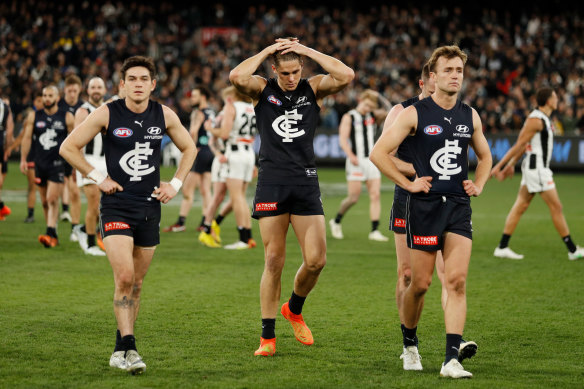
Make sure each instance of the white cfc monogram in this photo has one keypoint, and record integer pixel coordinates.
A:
(283, 125)
(441, 160)
(131, 162)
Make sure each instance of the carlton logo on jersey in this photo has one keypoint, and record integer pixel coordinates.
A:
(47, 139)
(123, 132)
(272, 99)
(131, 162)
(433, 129)
(441, 160)
(283, 125)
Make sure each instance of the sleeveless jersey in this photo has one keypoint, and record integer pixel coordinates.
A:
(202, 136)
(439, 147)
(95, 146)
(132, 152)
(286, 124)
(4, 112)
(363, 129)
(540, 147)
(403, 150)
(71, 108)
(244, 124)
(49, 131)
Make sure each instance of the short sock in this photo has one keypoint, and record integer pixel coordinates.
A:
(1, 204)
(90, 240)
(452, 346)
(374, 225)
(82, 228)
(504, 241)
(52, 232)
(268, 328)
(73, 225)
(409, 336)
(206, 228)
(219, 219)
(65, 207)
(30, 212)
(296, 303)
(128, 342)
(202, 221)
(569, 244)
(248, 232)
(241, 232)
(338, 218)
(181, 220)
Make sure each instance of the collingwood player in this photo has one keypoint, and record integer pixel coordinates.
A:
(287, 109)
(6, 131)
(357, 132)
(536, 140)
(44, 132)
(132, 130)
(438, 214)
(94, 154)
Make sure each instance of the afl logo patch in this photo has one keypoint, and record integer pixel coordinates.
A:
(462, 128)
(123, 132)
(272, 99)
(433, 129)
(154, 130)
(41, 124)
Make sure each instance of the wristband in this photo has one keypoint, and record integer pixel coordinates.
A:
(176, 184)
(96, 176)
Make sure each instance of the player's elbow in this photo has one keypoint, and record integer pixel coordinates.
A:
(235, 77)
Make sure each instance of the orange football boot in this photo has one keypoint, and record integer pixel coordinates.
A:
(267, 348)
(301, 330)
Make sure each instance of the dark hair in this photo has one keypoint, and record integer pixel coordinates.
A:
(278, 57)
(203, 90)
(72, 80)
(448, 52)
(542, 95)
(136, 61)
(425, 72)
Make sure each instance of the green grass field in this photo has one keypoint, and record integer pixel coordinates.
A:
(200, 319)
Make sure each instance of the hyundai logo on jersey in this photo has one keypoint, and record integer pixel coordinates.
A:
(123, 132)
(462, 128)
(433, 129)
(154, 130)
(272, 99)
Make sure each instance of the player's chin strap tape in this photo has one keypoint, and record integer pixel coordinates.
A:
(96, 176)
(176, 184)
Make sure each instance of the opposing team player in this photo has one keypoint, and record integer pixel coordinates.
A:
(132, 128)
(397, 223)
(357, 133)
(536, 140)
(287, 108)
(48, 128)
(439, 214)
(95, 155)
(200, 174)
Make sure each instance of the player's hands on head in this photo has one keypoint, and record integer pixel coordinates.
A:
(420, 184)
(471, 188)
(109, 186)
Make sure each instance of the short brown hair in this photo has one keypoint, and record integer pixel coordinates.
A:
(72, 80)
(136, 61)
(203, 90)
(278, 57)
(542, 95)
(446, 51)
(425, 72)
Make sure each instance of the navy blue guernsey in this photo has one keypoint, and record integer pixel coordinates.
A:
(202, 136)
(286, 123)
(403, 150)
(71, 108)
(439, 148)
(49, 131)
(132, 152)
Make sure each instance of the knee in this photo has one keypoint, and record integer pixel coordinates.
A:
(374, 196)
(353, 198)
(274, 263)
(137, 288)
(556, 208)
(125, 281)
(315, 263)
(420, 286)
(45, 204)
(457, 286)
(404, 276)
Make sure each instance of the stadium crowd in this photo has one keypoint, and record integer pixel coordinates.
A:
(511, 53)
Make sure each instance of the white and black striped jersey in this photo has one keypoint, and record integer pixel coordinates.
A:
(95, 146)
(4, 112)
(363, 130)
(540, 147)
(244, 124)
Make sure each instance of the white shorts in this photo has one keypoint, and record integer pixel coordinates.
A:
(365, 171)
(536, 180)
(218, 171)
(96, 162)
(240, 163)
